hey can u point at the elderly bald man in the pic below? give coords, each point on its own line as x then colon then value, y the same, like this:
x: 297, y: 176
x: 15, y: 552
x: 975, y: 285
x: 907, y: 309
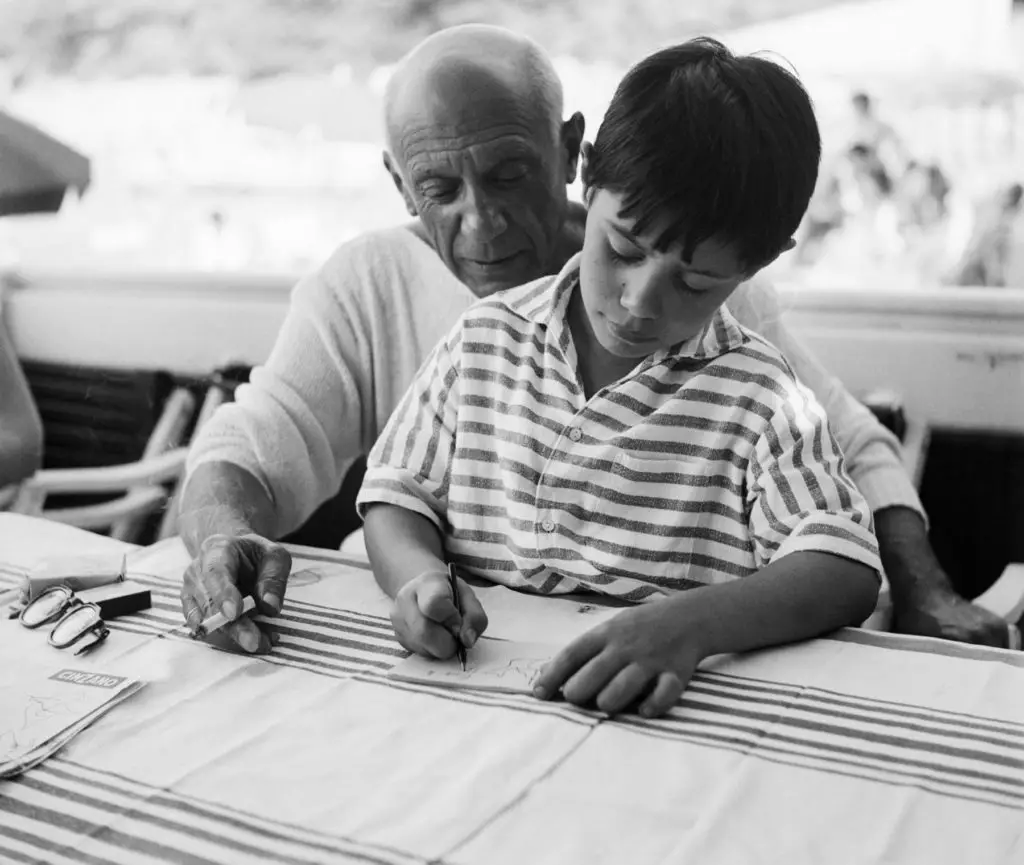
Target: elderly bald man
x: 479, y: 151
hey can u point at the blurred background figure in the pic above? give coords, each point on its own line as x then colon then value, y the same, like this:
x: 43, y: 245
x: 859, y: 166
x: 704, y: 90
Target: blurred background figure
x: 986, y: 260
x: 875, y: 141
x: 21, y: 430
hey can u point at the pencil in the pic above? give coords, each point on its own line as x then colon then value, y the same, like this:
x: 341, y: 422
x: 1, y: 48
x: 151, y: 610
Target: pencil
x: 453, y: 581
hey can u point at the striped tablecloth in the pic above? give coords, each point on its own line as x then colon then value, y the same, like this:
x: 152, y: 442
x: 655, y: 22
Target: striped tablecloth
x: 861, y: 748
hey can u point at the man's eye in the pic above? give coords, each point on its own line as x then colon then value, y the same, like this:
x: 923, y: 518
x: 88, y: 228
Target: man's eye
x: 510, y: 174
x: 438, y: 190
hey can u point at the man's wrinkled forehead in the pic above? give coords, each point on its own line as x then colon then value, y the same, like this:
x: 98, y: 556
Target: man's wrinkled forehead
x: 460, y: 107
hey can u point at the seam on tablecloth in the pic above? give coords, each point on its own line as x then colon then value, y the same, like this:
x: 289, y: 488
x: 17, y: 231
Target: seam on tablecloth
x: 516, y: 800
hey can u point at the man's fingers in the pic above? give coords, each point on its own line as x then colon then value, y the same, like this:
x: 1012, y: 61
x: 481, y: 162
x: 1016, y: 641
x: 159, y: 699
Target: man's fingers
x: 190, y: 609
x: 668, y: 689
x: 218, y: 574
x: 624, y: 689
x: 474, y: 618
x: 272, y: 572
x: 558, y: 671
x: 246, y: 634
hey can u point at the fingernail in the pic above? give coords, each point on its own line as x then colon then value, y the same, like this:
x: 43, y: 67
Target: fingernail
x: 540, y: 693
x: 248, y: 641
x: 470, y: 638
x: 230, y: 610
x: 273, y: 600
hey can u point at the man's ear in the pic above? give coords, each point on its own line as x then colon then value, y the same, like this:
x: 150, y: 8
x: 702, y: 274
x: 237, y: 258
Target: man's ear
x: 572, y: 136
x: 396, y: 177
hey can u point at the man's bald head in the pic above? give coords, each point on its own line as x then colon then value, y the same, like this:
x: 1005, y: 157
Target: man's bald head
x: 478, y: 150
x: 461, y: 62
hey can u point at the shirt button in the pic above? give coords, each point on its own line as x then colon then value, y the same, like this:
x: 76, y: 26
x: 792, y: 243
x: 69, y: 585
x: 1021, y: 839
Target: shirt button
x: 575, y: 434
x: 548, y: 525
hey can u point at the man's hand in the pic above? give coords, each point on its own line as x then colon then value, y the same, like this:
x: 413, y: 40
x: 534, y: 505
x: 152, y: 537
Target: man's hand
x: 645, y: 652
x: 426, y: 621
x: 943, y: 613
x: 226, y: 569
x: 923, y: 599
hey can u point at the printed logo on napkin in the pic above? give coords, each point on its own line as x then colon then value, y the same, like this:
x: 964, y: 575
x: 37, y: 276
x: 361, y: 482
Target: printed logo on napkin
x: 95, y: 680
x: 53, y: 708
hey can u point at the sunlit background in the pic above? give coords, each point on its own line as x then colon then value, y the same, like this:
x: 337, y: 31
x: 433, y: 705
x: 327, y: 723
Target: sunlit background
x: 244, y: 135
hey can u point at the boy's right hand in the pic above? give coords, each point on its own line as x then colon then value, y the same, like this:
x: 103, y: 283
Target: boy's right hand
x: 426, y: 621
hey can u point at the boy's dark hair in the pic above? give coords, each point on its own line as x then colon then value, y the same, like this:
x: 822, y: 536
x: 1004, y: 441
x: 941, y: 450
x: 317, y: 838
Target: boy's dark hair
x: 727, y: 147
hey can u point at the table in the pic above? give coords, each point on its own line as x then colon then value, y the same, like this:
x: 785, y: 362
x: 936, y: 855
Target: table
x: 863, y: 747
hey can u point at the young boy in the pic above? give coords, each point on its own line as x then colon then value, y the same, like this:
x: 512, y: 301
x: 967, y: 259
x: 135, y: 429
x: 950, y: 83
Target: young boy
x: 614, y: 429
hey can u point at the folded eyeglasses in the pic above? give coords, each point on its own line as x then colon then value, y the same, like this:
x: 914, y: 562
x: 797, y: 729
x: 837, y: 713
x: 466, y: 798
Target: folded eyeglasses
x: 77, y: 622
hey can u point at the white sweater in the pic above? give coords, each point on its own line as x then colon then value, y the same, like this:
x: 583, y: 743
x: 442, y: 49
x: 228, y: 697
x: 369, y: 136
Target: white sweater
x: 357, y: 331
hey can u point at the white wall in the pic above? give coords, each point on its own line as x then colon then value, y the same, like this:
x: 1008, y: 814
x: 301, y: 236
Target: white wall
x: 887, y: 36
x: 955, y: 356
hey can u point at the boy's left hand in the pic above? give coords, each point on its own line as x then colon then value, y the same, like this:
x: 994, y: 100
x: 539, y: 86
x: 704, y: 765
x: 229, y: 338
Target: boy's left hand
x: 648, y: 651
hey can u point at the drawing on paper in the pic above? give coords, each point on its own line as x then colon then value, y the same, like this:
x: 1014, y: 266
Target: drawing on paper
x: 492, y: 665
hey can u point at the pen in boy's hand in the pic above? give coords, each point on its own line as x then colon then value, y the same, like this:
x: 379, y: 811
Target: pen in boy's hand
x: 453, y: 581
x: 219, y: 620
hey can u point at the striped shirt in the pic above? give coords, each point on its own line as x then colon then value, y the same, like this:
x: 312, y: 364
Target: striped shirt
x: 704, y: 464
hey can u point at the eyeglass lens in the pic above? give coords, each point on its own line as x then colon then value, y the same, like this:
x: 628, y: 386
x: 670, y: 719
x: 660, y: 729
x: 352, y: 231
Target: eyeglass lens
x: 73, y: 625
x: 45, y: 608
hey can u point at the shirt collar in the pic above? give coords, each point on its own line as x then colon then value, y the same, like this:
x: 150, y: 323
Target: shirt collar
x: 548, y: 305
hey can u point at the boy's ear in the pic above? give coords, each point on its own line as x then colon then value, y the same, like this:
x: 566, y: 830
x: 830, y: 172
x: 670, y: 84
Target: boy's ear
x: 586, y: 149
x: 396, y: 177
x: 786, y: 247
x: 572, y: 137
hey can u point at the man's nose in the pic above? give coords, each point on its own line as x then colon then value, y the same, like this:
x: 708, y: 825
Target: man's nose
x: 482, y: 220
x: 643, y: 292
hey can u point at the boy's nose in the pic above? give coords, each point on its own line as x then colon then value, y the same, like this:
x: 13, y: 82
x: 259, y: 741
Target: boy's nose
x: 642, y: 294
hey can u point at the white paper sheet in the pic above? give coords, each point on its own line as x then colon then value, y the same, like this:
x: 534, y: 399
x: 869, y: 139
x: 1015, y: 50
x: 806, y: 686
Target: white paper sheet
x: 491, y: 665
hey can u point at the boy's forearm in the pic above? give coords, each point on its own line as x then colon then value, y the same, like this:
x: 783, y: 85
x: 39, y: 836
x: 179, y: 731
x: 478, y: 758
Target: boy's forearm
x: 222, y: 499
x: 401, y: 545
x: 799, y: 596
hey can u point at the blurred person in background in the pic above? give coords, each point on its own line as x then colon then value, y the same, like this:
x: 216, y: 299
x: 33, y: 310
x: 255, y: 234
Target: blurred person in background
x: 877, y: 139
x: 480, y: 153
x: 21, y: 430
x: 986, y: 260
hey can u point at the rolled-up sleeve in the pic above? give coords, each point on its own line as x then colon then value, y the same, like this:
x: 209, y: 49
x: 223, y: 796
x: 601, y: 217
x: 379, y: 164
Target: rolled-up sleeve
x: 299, y: 424
x: 800, y: 498
x: 410, y: 464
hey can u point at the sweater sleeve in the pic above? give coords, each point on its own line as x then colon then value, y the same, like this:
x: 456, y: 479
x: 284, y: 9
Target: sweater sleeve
x: 300, y: 422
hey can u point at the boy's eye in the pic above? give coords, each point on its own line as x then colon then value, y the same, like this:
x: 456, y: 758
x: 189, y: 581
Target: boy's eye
x: 624, y: 253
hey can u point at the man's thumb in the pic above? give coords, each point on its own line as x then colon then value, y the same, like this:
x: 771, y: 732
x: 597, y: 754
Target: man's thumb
x: 274, y: 566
